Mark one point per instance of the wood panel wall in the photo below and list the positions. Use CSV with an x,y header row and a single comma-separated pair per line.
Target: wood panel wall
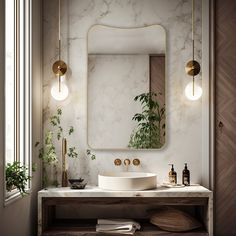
x,y
157,77
225,77
158,82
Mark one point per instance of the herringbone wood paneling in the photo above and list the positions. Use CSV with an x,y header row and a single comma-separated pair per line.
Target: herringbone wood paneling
x,y
225,162
157,82
157,77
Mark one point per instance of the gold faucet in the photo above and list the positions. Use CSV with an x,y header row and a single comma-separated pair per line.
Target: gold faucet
x,y
127,162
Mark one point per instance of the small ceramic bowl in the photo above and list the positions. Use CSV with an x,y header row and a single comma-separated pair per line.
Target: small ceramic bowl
x,y
77,181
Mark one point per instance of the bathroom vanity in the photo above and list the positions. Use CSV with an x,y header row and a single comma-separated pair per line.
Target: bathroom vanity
x,y
67,212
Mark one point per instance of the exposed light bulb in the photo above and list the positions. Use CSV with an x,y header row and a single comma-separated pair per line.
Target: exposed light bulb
x,y
59,95
193,94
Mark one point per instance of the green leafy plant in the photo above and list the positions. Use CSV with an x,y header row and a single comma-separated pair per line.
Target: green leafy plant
x,y
48,153
17,177
150,131
90,154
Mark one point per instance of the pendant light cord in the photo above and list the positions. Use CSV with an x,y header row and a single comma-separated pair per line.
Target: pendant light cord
x,y
193,30
59,39
59,28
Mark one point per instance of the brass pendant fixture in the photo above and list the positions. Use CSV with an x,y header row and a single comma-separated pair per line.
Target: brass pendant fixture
x,y
59,68
193,67
59,91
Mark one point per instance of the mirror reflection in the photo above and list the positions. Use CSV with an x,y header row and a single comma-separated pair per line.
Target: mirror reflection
x,y
126,87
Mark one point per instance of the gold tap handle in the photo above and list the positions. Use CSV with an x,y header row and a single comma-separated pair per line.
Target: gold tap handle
x,y
117,162
136,162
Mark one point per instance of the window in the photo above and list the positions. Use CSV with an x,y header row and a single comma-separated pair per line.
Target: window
x,y
18,82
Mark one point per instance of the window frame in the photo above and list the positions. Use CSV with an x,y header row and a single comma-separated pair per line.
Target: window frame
x,y
22,91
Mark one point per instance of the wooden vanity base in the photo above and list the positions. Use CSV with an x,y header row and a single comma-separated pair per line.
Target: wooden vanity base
x,y
52,223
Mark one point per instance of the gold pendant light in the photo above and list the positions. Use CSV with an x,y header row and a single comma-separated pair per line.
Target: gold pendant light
x,y
59,68
192,68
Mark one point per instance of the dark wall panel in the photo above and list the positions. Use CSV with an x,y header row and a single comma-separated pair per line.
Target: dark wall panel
x,y
225,163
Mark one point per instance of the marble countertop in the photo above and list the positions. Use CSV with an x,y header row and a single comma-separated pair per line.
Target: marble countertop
x,y
95,191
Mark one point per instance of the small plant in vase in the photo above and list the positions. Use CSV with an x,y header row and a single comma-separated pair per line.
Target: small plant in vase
x,y
48,153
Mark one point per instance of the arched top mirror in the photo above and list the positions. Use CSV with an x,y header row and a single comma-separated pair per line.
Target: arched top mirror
x,y
126,87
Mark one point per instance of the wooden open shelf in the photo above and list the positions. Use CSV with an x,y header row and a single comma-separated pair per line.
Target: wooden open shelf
x,y
63,212
72,227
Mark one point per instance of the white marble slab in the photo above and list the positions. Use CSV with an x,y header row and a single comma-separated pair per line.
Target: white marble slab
x,y
94,191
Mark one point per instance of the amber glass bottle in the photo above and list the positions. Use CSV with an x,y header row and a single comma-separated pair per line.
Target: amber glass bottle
x,y
172,175
186,176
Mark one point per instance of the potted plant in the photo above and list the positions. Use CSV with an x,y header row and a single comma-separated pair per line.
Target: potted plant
x,y
17,177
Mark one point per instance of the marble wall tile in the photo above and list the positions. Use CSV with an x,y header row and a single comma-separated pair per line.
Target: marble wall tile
x,y
184,118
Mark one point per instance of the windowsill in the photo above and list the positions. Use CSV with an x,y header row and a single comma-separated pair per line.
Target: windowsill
x,y
13,196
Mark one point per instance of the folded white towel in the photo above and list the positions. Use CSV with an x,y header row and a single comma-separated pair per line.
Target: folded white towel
x,y
118,222
117,226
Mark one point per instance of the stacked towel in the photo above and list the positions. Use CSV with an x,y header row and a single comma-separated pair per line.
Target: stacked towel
x,y
117,226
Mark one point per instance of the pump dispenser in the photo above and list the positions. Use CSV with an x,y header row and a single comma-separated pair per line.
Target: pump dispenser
x,y
172,175
186,176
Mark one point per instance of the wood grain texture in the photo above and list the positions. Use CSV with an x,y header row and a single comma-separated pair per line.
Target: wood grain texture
x,y
138,233
191,201
225,159
157,82
157,77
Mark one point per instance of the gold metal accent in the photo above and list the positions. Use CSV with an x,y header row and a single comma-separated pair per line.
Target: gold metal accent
x,y
59,68
64,180
136,162
192,68
127,162
117,162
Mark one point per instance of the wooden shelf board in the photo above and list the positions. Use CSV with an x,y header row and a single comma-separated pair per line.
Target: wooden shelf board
x,y
88,228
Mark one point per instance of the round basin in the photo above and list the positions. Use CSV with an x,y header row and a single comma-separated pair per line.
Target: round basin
x,y
127,181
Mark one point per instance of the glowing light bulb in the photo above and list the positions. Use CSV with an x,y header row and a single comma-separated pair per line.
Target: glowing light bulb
x,y
193,94
59,95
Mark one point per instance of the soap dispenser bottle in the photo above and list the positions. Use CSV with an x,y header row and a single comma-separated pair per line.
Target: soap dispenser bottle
x,y
172,175
186,176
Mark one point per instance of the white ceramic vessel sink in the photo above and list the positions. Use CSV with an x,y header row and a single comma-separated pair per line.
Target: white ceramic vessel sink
x,y
127,181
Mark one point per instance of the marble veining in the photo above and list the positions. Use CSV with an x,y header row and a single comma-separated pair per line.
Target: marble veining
x,y
94,191
111,93
184,118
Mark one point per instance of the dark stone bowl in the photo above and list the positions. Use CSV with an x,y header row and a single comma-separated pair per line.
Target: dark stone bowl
x,y
77,181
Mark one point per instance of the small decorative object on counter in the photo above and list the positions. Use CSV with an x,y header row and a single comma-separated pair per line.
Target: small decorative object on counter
x,y
77,183
172,175
186,176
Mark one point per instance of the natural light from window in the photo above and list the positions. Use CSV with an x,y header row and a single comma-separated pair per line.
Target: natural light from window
x,y
9,82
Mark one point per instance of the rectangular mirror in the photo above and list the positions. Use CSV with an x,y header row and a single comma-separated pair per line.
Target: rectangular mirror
x,y
126,87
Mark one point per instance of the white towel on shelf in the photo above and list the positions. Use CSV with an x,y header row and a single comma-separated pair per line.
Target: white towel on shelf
x,y
117,226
